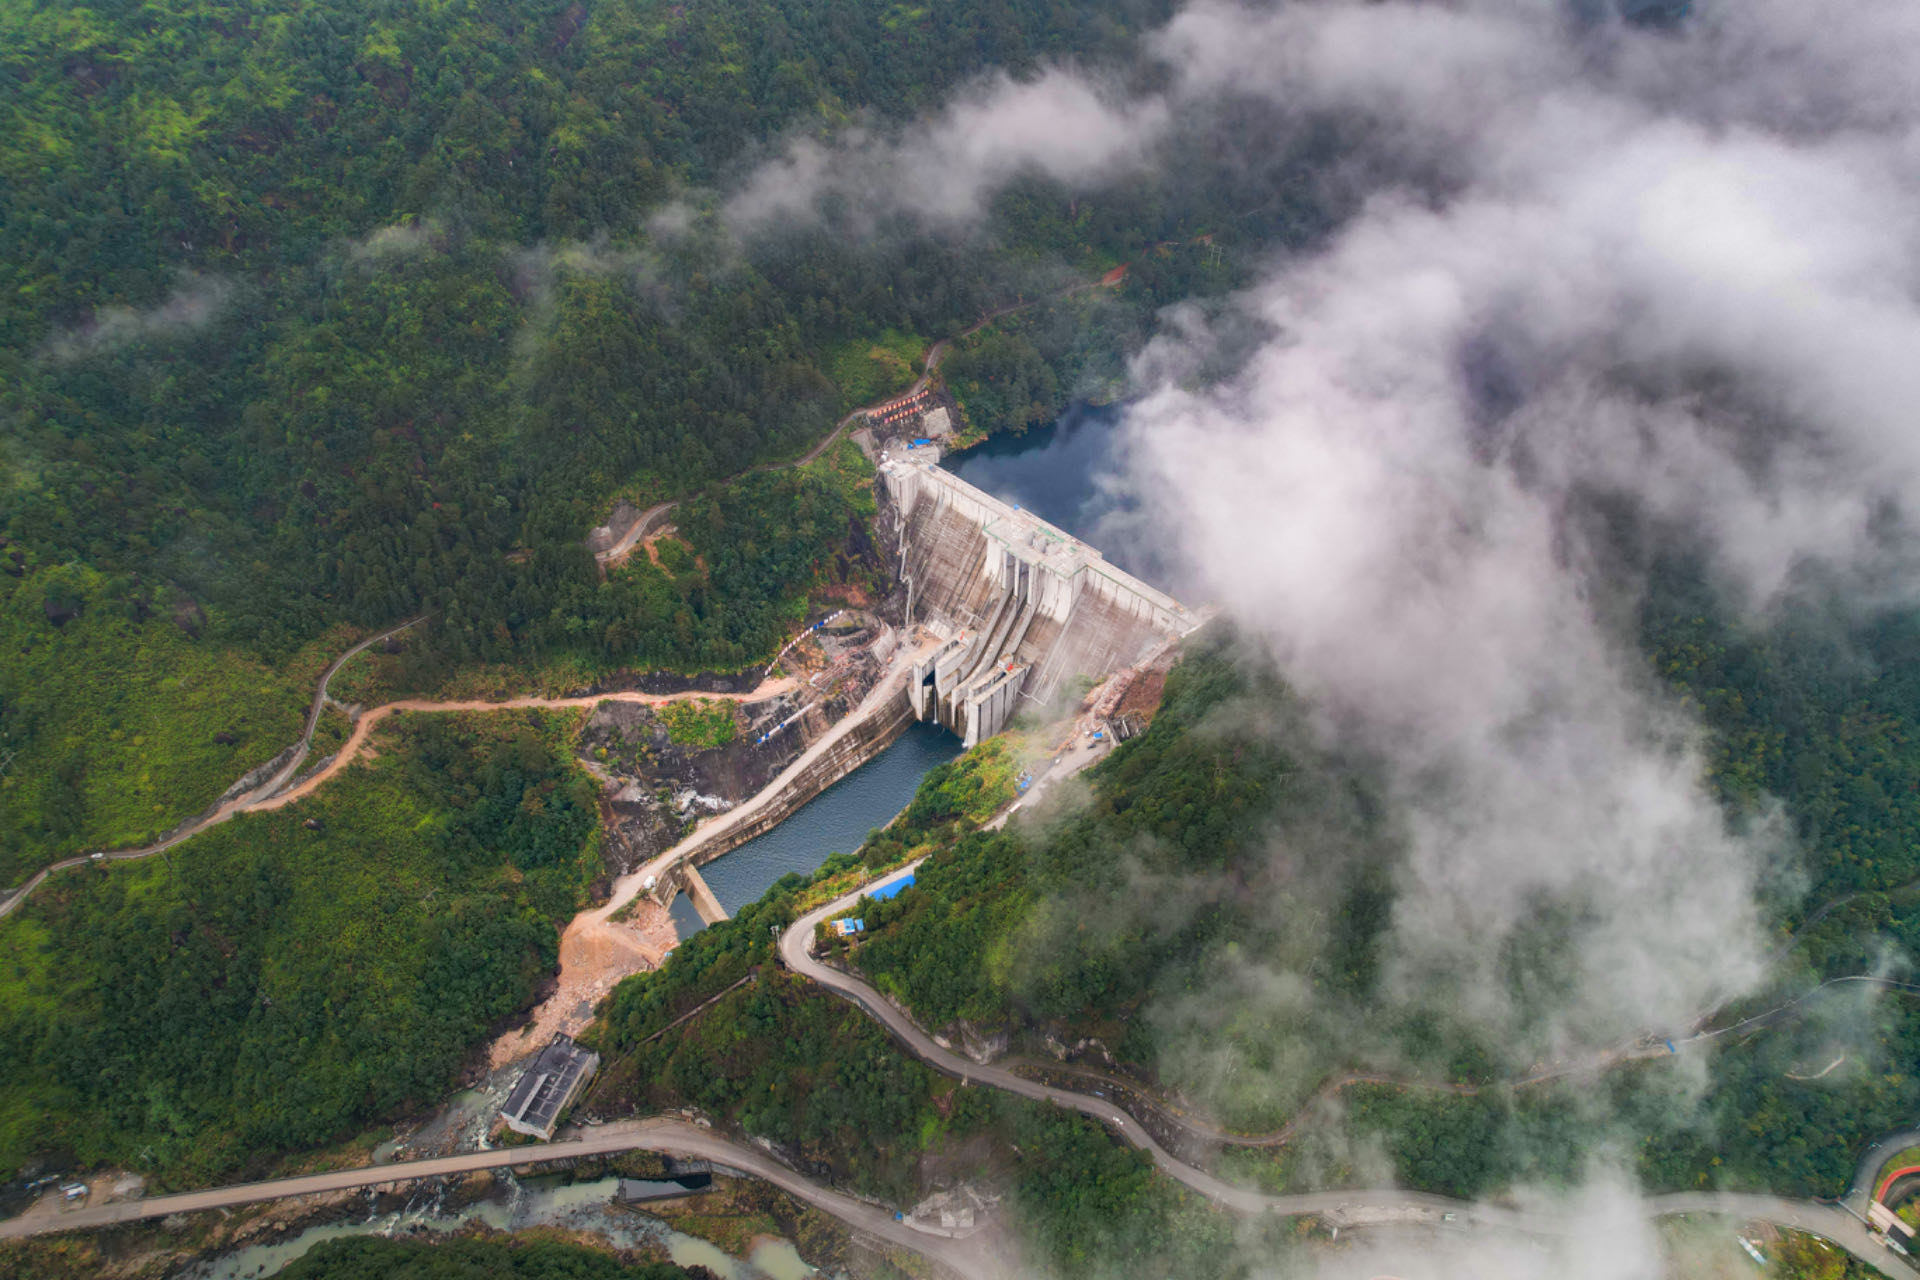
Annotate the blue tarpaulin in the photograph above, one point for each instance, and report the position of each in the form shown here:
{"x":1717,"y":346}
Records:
{"x":887,"y":891}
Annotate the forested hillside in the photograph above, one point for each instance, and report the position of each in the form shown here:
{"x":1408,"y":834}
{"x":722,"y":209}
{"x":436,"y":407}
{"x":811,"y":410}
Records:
{"x":315,"y":316}
{"x":293,"y":976}
{"x":1156,"y":918}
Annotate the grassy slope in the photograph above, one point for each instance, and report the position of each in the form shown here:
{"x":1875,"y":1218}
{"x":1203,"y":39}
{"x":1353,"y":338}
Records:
{"x":113,"y":718}
{"x":273,"y":985}
{"x":865,"y":369}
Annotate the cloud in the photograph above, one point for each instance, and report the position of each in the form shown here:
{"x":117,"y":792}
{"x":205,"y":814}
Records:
{"x":943,"y":170}
{"x":400,"y":241}
{"x":1604,"y":277}
{"x":1604,"y":1236}
{"x":195,"y":302}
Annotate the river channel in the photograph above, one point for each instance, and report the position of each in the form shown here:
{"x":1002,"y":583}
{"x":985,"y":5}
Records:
{"x":521,"y":1203}
{"x":835,"y":821}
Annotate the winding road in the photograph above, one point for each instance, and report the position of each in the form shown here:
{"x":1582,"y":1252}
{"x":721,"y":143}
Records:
{"x":253,"y":798}
{"x":972,"y":1257}
{"x":796,"y":952}
{"x":274,"y":792}
{"x":668,"y":1137}
{"x":967,"y":1257}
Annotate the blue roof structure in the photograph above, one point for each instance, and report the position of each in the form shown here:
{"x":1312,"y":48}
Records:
{"x":890,"y":890}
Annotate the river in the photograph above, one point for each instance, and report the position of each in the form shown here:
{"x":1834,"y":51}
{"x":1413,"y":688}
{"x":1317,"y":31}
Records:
{"x":835,"y":821}
{"x":520,"y":1203}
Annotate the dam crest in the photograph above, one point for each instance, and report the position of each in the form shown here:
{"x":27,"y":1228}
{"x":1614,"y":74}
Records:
{"x":1020,"y":606}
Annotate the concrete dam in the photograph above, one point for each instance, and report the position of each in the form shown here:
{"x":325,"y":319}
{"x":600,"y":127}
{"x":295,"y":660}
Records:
{"x":1001,"y":608}
{"x":1020,"y":607}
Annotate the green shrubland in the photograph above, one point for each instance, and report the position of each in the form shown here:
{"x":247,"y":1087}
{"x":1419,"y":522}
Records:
{"x":703,"y":723}
{"x":123,"y":719}
{"x":280,"y":981}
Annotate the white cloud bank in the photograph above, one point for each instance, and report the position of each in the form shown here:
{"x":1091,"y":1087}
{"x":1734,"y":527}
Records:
{"x":1639,"y":276}
{"x":946,"y":168}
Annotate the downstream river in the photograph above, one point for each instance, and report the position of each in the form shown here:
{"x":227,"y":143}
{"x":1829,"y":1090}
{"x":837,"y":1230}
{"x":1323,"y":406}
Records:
{"x":518,"y":1204}
{"x":835,"y":821}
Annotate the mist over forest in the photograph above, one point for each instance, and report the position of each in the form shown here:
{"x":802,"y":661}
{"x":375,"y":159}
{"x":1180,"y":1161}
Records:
{"x":1524,"y":385}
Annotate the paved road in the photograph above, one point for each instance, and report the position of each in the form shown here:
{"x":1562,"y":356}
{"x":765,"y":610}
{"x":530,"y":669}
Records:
{"x":973,"y":1257}
{"x":239,"y":804}
{"x":1868,"y":1170}
{"x":669,"y":1137}
{"x":796,"y":950}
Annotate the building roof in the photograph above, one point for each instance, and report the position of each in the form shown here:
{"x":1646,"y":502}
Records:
{"x":548,"y":1084}
{"x":886,"y":891}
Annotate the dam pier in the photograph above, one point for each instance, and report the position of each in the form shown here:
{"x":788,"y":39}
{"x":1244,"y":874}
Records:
{"x":1019,"y":606}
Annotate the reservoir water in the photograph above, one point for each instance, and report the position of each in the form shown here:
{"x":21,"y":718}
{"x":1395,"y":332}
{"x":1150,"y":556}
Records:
{"x":1067,"y":473}
{"x":835,"y":821}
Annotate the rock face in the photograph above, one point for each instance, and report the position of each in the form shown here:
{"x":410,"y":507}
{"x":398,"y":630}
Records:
{"x":656,"y":788}
{"x":623,"y":518}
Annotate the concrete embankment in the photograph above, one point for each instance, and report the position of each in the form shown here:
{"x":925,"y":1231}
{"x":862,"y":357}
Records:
{"x":703,"y":900}
{"x":872,"y":731}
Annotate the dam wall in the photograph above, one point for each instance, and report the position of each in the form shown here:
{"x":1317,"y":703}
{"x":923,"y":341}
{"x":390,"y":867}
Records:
{"x":1022,"y":607}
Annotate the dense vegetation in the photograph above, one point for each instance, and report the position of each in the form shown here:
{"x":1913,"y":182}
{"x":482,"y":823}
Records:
{"x":288,"y":977}
{"x":120,"y":720}
{"x":374,"y":1258}
{"x":1102,"y":924}
{"x":1164,"y":884}
{"x":312,"y":316}
{"x":777,"y":1058}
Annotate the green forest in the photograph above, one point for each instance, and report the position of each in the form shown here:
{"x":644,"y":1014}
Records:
{"x":314,"y":318}
{"x":286,"y":979}
{"x":373,"y":1258}
{"x":1044,"y":928}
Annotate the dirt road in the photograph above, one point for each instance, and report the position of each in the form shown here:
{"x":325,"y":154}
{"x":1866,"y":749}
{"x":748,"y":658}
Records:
{"x":364,"y":726}
{"x":239,"y":804}
{"x":597,"y":950}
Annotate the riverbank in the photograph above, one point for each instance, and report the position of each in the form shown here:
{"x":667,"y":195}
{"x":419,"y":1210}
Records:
{"x":633,"y":930}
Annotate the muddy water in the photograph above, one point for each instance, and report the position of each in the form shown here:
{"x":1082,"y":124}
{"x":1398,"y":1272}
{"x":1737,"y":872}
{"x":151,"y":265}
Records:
{"x":532,"y":1202}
